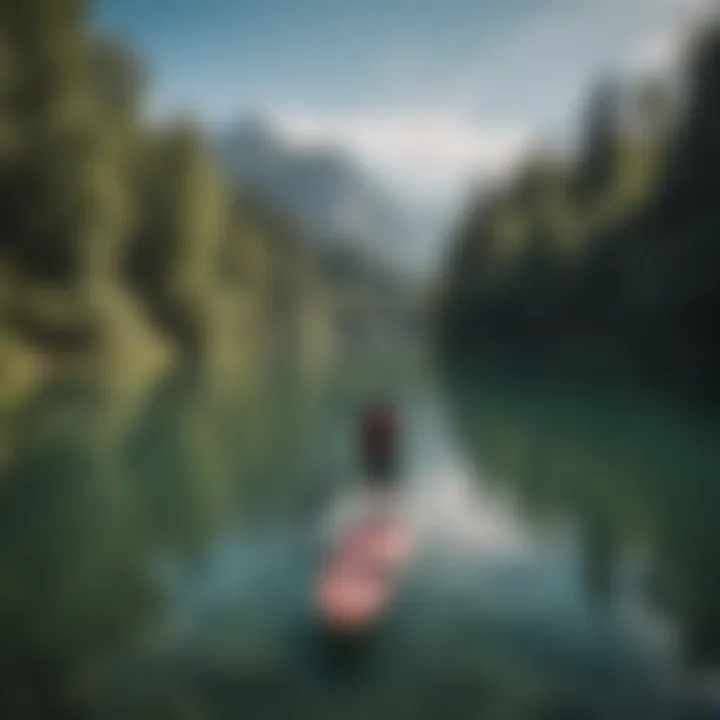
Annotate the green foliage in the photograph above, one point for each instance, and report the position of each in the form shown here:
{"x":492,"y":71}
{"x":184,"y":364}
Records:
{"x":114,"y":238}
{"x":613,"y":260}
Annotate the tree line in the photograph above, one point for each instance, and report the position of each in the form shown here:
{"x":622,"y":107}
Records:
{"x":610,"y":259}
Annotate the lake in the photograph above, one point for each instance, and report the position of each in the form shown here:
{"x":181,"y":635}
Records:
{"x":157,"y":553}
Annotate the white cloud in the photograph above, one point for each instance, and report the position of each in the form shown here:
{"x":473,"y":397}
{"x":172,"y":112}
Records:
{"x":660,"y":51}
{"x":423,"y":150}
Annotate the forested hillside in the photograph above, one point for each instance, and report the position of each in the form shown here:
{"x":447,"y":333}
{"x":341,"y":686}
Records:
{"x":610,"y":260}
{"x":123,"y":247}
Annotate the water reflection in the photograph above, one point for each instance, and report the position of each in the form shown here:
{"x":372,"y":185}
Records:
{"x":635,"y":472}
{"x":94,"y":488}
{"x":157,"y":557}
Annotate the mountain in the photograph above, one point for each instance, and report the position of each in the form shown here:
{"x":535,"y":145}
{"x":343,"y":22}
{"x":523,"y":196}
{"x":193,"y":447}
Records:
{"x":320,"y":188}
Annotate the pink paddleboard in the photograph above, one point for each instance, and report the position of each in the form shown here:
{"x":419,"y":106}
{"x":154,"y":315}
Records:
{"x":361,"y":573}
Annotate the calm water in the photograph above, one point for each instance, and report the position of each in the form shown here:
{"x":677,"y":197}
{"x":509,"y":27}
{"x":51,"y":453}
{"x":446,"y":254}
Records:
{"x":156,"y":556}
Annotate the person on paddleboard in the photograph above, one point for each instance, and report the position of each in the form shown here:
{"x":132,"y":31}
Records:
{"x":369,"y":539}
{"x":379,"y":445}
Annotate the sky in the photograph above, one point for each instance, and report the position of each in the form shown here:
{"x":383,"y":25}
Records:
{"x":430,"y":95}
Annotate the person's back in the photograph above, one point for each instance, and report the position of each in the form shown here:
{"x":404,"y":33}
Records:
{"x":379,"y":441}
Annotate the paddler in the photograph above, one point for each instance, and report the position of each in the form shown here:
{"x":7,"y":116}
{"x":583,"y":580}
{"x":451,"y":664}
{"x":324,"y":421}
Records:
{"x":379,"y":445}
